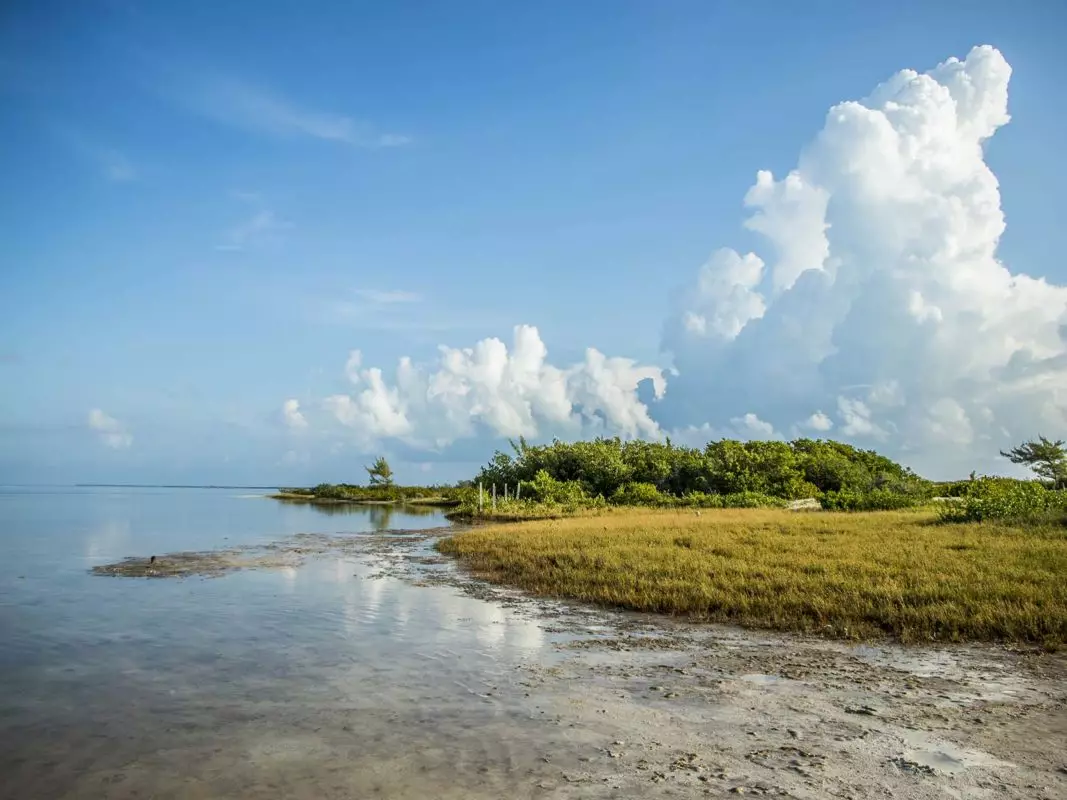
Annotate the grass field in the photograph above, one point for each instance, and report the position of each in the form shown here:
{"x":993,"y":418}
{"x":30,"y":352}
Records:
{"x":847,"y":575}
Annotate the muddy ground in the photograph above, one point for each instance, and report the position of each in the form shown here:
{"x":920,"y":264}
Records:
{"x":636,"y":706}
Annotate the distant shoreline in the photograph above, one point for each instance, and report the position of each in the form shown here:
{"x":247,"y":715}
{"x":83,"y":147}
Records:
{"x":166,"y":486}
{"x":299,"y":497}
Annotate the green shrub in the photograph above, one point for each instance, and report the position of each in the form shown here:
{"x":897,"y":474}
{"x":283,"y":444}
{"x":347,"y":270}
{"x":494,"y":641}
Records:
{"x":639,"y":494}
{"x":751,"y":500}
{"x":874,"y":500}
{"x":952,"y":489}
{"x":799,"y":489}
{"x":701,"y":500}
{"x":392,"y":493}
{"x":1006,"y":499}
{"x":546,"y":489}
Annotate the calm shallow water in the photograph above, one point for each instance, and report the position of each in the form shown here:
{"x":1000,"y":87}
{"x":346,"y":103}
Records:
{"x":336,"y":680}
{"x":312,"y":681}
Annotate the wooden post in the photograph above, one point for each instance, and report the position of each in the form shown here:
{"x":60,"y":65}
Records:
{"x":479,"y":497}
{"x":494,"y":497}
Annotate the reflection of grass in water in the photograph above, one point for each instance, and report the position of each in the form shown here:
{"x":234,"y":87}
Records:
{"x":380,"y":514}
{"x":849,"y":575}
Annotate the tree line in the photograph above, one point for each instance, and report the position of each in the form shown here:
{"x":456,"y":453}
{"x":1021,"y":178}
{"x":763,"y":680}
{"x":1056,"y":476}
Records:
{"x":651,"y":472}
{"x":733,"y":473}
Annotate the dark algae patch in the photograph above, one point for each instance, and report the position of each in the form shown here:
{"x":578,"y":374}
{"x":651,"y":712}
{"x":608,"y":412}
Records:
{"x":211,"y":564}
{"x":289,"y":552}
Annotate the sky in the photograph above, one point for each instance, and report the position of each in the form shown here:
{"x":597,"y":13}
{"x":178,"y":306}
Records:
{"x":261,"y":243}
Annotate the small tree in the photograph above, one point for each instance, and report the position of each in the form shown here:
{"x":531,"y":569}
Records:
{"x":1047,"y":459}
{"x":381,"y":474}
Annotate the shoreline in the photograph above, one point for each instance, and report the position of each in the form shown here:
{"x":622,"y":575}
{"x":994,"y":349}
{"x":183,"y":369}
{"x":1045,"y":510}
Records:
{"x":575,"y":701}
{"x":704,"y":569}
{"x":296,"y":497}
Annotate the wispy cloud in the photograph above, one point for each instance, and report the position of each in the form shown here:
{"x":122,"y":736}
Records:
{"x":112,"y":432}
{"x":380,"y":309}
{"x":262,"y":227}
{"x":246,"y":196}
{"x":115,"y":166}
{"x":388,"y":297}
{"x":233,"y":102}
{"x":111,"y":164}
{"x":399,"y":311}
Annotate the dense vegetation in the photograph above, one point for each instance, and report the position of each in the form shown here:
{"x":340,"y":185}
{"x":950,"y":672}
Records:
{"x":847,"y":575}
{"x":631,"y":533}
{"x":1005,"y":499}
{"x":563,"y":477}
{"x":381,"y":489}
{"x":378,"y":493}
{"x":798,"y":469}
{"x":568,"y":478}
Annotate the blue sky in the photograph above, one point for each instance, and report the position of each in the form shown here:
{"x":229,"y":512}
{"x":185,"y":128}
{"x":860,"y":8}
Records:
{"x":209,"y":206}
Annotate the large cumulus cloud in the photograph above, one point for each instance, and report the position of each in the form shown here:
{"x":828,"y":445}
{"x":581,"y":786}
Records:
{"x":879,"y":307}
{"x":875,"y":310}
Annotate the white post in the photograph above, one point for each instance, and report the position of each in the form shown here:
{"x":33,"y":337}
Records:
{"x":505,"y":492}
{"x":494,"y":497}
{"x":518,"y":491}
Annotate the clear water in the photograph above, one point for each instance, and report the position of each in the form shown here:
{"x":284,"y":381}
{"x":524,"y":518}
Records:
{"x":316,"y":681}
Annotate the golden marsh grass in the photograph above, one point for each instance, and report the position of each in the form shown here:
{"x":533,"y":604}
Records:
{"x":849,"y":575}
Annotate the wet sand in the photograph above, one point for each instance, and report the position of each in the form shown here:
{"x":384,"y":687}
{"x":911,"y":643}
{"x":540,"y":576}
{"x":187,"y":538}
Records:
{"x":608,"y":705}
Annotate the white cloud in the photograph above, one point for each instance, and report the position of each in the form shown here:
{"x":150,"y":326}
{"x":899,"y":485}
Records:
{"x":724,"y":299}
{"x":888,"y":393}
{"x":882,"y":273}
{"x":856,"y":419}
{"x":352,"y":365}
{"x":111,"y":432}
{"x":375,"y":412}
{"x":751,"y":426}
{"x":745,"y":427}
{"x":233,"y":102}
{"x":874,"y":292}
{"x":947,"y":422}
{"x":293,"y":416}
{"x":792,"y":215}
{"x":489,"y":388}
{"x":818,"y":422}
